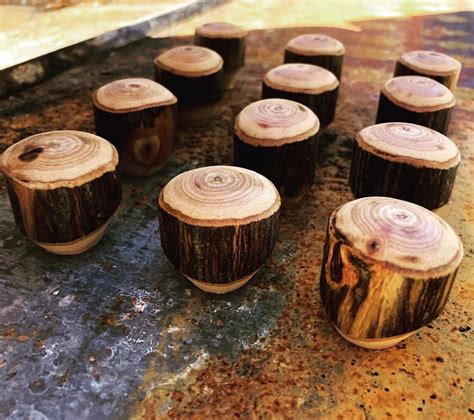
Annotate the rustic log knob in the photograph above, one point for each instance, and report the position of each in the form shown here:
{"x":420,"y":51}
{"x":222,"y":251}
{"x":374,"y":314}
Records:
{"x":195,"y":75}
{"x":310,"y":85}
{"x":138,"y":116}
{"x":404,"y":161}
{"x":417,"y":100}
{"x":63,"y":188}
{"x":437,"y":66}
{"x":229,"y":42}
{"x":218,"y":225}
{"x":388,"y":268}
{"x":277,"y":138}
{"x":318,"y":49}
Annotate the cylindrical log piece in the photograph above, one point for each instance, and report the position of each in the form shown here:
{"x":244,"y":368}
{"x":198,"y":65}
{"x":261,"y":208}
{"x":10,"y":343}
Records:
{"x":195,"y":75}
{"x":313,"y":86}
{"x":218,"y":225}
{"x":138,"y":116}
{"x":63,"y":188}
{"x":318,"y":49}
{"x":388,"y":268}
{"x":418,"y":100}
{"x":277,"y":138}
{"x":229,"y":42}
{"x":405,"y":161}
{"x":437,"y":66}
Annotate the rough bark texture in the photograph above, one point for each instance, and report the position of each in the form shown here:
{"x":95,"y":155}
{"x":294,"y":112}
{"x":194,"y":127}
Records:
{"x":232,"y":50}
{"x":192,"y":92}
{"x":366,"y":299}
{"x":333,"y":63}
{"x":373,"y":175}
{"x":388,"y":111}
{"x":322,"y":104}
{"x":64,"y":214}
{"x":143,"y":138}
{"x":290,"y":167}
{"x":217,"y":255}
{"x":402,"y":70}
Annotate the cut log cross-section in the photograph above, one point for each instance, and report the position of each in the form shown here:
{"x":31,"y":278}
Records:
{"x":388,"y":268}
{"x":63,"y":188}
{"x":218,"y":225}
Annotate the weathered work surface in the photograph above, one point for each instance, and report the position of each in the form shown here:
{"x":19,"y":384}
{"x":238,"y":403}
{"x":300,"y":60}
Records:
{"x":117,"y":332}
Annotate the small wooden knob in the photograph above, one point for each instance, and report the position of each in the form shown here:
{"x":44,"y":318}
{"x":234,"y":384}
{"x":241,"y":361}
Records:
{"x":195,"y":75}
{"x":417,"y":100}
{"x":437,"y":66}
{"x":63,"y":188}
{"x":229,"y":41}
{"x":218,"y":225}
{"x":404,"y":161}
{"x":318,"y":49}
{"x":138,"y":116}
{"x":277,"y":138}
{"x":310,"y":85}
{"x":388,"y":268}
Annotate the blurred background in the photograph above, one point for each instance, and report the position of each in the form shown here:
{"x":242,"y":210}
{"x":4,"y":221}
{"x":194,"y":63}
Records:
{"x":32,"y":28}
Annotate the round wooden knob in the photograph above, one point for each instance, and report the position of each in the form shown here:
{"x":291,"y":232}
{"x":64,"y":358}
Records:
{"x":310,"y":85}
{"x":277,"y":138}
{"x":229,"y":41}
{"x":404,"y":161}
{"x":388,"y":268}
{"x":318,"y":49}
{"x":138,"y":116}
{"x":195,"y":75}
{"x":418,"y":100}
{"x":440,"y":67}
{"x":218,"y":225}
{"x":63,"y":188}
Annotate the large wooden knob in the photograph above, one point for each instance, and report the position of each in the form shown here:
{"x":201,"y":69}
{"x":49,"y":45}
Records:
{"x":195,"y":75}
{"x":63,"y":188}
{"x":277,"y":138}
{"x":229,"y":42}
{"x":318,"y":49}
{"x":218,"y":225}
{"x":388,"y":268}
{"x":138,"y":116}
{"x":418,"y":100}
{"x":437,"y":66}
{"x":404,"y":161}
{"x":313,"y":86}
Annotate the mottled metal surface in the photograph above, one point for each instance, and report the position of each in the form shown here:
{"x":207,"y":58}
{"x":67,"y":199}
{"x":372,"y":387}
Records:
{"x":117,"y":332}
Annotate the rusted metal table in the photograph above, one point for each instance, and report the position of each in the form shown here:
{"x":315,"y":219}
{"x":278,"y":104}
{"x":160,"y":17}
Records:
{"x":117,"y":332}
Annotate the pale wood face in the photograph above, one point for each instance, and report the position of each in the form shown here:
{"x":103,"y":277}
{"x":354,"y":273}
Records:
{"x":430,"y":62}
{"x":220,"y":30}
{"x":316,"y":44}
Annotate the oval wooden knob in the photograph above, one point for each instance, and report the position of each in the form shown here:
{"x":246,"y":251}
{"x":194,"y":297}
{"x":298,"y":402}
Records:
{"x":277,"y":138}
{"x":418,"y":100}
{"x":404,"y":161}
{"x":388,"y":268}
{"x":63,"y":188}
{"x":221,"y":30}
{"x":318,"y":49}
{"x":435,"y":65}
{"x":138,"y":116}
{"x":218,"y":225}
{"x":310,"y":85}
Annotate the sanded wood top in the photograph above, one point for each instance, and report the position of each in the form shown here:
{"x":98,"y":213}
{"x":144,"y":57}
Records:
{"x":190,"y":61}
{"x":402,"y":234}
{"x":301,"y":78}
{"x":220,"y":30}
{"x":134,"y":94}
{"x":315,"y":44}
{"x":275,"y":122}
{"x":430,"y":62}
{"x":409,"y":143}
{"x":220,"y":196}
{"x":418,"y":93}
{"x":59,"y":159}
